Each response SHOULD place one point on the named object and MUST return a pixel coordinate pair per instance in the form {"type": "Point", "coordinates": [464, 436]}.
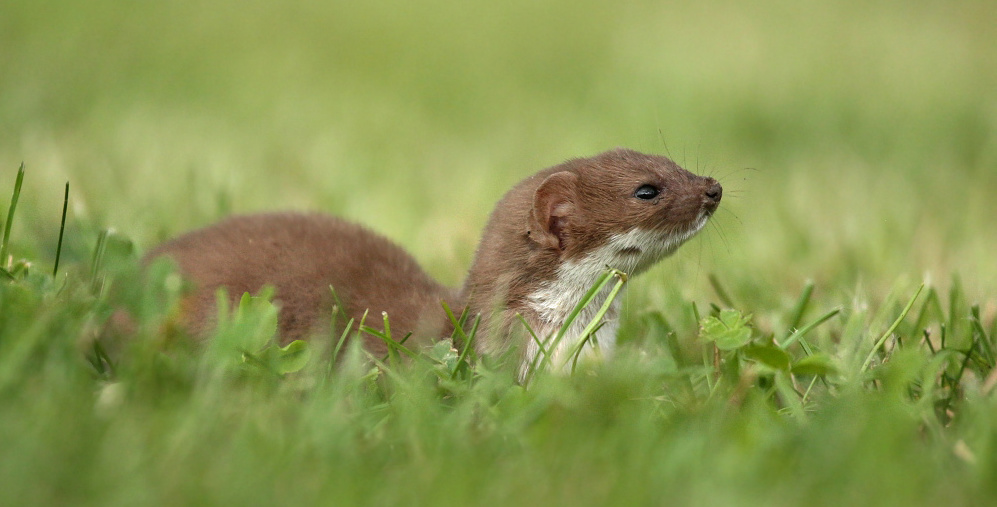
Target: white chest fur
{"type": "Point", "coordinates": [631, 252]}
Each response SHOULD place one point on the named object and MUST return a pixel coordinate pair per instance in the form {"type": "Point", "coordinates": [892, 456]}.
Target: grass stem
{"type": "Point", "coordinates": [5, 243]}
{"type": "Point", "coordinates": [892, 328]}
{"type": "Point", "coordinates": [62, 230]}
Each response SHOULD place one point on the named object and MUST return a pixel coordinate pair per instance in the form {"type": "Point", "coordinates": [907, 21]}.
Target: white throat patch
{"type": "Point", "coordinates": [631, 252]}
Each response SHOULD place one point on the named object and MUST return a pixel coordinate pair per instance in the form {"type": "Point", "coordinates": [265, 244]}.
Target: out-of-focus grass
{"type": "Point", "coordinates": [869, 127]}
{"type": "Point", "coordinates": [857, 142]}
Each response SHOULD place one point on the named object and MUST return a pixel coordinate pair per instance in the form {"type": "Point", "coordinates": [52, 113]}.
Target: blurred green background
{"type": "Point", "coordinates": [856, 140]}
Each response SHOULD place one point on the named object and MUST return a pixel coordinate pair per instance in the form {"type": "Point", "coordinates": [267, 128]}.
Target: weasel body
{"type": "Point", "coordinates": [547, 241]}
{"type": "Point", "coordinates": [302, 256]}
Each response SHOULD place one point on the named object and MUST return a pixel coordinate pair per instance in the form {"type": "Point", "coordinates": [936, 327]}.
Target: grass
{"type": "Point", "coordinates": [829, 339]}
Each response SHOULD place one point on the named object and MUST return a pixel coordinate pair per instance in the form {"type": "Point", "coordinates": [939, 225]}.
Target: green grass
{"type": "Point", "coordinates": [780, 358]}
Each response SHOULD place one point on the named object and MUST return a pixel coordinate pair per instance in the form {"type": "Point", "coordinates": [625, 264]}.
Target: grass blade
{"type": "Point", "coordinates": [596, 321]}
{"type": "Point", "coordinates": [893, 327]}
{"type": "Point", "coordinates": [721, 292]}
{"type": "Point", "coordinates": [542, 352]}
{"type": "Point", "coordinates": [467, 347]}
{"type": "Point", "coordinates": [986, 348]}
{"type": "Point", "coordinates": [801, 307]}
{"type": "Point", "coordinates": [95, 261]}
{"type": "Point", "coordinates": [806, 329]}
{"type": "Point", "coordinates": [62, 230]}
{"type": "Point", "coordinates": [458, 328]}
{"type": "Point", "coordinates": [597, 287]}
{"type": "Point", "coordinates": [5, 244]}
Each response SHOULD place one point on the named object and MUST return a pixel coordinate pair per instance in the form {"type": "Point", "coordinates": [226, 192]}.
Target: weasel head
{"type": "Point", "coordinates": [629, 208]}
{"type": "Point", "coordinates": [555, 232]}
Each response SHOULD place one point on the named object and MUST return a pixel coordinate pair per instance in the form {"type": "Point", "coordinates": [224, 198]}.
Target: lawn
{"type": "Point", "coordinates": [829, 339]}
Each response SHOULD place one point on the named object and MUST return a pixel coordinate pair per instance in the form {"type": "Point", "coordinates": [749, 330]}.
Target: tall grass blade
{"type": "Point", "coordinates": [956, 299]}
{"type": "Point", "coordinates": [796, 316]}
{"type": "Point", "coordinates": [458, 327]}
{"type": "Point", "coordinates": [95, 261]}
{"type": "Point", "coordinates": [793, 338]}
{"type": "Point", "coordinates": [892, 328]}
{"type": "Point", "coordinates": [341, 341]}
{"type": "Point", "coordinates": [980, 335]}
{"type": "Point", "coordinates": [5, 243]}
{"type": "Point", "coordinates": [468, 350]}
{"type": "Point", "coordinates": [62, 230]}
{"type": "Point", "coordinates": [931, 305]}
{"type": "Point", "coordinates": [596, 321]}
{"type": "Point", "coordinates": [542, 351]}
{"type": "Point", "coordinates": [597, 287]}
{"type": "Point", "coordinates": [721, 292]}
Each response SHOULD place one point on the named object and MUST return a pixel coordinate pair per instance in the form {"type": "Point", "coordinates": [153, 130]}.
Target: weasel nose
{"type": "Point", "coordinates": [715, 192]}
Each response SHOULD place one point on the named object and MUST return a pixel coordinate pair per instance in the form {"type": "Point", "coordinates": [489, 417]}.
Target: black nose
{"type": "Point", "coordinates": [715, 192]}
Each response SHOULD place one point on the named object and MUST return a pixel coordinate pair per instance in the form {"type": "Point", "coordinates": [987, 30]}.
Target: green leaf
{"type": "Point", "coordinates": [729, 330]}
{"type": "Point", "coordinates": [255, 320]}
{"type": "Point", "coordinates": [248, 329]}
{"type": "Point", "coordinates": [293, 357]}
{"type": "Point", "coordinates": [443, 353]}
{"type": "Point", "coordinates": [769, 355]}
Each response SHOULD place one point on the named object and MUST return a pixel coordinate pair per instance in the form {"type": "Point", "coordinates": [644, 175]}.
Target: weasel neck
{"type": "Point", "coordinates": [550, 307]}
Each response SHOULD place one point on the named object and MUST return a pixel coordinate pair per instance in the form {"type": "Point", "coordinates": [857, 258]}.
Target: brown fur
{"type": "Point", "coordinates": [301, 256]}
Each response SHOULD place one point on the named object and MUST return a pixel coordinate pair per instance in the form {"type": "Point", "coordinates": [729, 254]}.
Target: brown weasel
{"type": "Point", "coordinates": [547, 241]}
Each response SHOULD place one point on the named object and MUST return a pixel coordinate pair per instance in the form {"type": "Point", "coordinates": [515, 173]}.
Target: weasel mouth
{"type": "Point", "coordinates": [673, 239]}
{"type": "Point", "coordinates": [630, 251]}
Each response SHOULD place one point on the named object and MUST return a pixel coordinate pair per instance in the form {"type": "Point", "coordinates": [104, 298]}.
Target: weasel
{"type": "Point", "coordinates": [545, 244]}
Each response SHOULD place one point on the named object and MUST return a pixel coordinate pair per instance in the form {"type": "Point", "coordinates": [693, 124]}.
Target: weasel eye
{"type": "Point", "coordinates": [646, 192]}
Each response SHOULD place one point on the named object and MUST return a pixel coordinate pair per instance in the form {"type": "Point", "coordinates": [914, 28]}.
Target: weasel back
{"type": "Point", "coordinates": [302, 256]}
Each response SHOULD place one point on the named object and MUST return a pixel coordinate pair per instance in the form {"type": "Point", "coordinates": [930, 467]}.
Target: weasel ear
{"type": "Point", "coordinates": [553, 205]}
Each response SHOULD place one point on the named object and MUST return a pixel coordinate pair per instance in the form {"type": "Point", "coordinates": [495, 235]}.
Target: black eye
{"type": "Point", "coordinates": [646, 192]}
